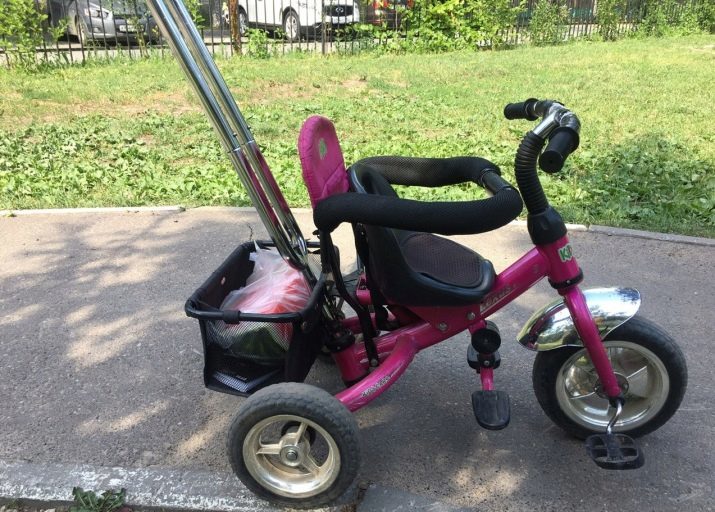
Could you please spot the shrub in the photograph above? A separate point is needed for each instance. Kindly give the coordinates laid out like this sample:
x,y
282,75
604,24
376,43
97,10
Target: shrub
x,y
705,15
549,22
609,15
459,24
257,46
22,31
671,17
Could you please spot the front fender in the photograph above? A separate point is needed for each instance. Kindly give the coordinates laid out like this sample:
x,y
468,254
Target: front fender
x,y
552,327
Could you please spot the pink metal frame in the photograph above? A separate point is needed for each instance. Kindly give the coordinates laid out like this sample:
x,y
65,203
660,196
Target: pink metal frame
x,y
397,348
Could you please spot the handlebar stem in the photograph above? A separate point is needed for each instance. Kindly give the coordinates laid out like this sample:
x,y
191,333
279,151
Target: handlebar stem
x,y
554,115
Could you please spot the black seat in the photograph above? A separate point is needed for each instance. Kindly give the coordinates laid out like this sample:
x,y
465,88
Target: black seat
x,y
413,268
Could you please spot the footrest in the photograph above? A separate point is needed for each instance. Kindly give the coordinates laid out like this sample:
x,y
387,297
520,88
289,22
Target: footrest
x,y
491,408
614,451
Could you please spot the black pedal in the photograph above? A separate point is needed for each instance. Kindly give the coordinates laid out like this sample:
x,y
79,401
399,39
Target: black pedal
x,y
614,451
491,408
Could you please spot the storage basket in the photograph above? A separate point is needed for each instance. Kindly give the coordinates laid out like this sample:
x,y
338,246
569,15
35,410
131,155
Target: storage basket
x,y
244,352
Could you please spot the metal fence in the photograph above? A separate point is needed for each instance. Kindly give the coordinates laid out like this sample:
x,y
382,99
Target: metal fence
x,y
106,28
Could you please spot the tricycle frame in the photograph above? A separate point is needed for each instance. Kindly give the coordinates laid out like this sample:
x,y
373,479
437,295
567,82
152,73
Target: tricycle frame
x,y
397,348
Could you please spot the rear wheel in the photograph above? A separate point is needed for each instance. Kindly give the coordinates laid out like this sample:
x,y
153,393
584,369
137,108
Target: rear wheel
x,y
295,445
649,367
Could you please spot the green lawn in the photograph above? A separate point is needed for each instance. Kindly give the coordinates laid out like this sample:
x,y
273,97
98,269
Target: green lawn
x,y
132,133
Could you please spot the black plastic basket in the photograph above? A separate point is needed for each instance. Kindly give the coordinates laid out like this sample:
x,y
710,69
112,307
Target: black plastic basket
x,y
238,359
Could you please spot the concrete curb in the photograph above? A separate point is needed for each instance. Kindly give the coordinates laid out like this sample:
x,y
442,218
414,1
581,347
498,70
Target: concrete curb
x,y
69,211
153,488
652,235
50,485
593,228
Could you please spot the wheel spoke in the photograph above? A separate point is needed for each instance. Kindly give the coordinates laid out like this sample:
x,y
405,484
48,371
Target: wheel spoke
x,y
301,431
269,449
581,382
310,464
638,382
584,396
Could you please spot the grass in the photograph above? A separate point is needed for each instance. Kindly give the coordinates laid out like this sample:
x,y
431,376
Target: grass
x,y
132,133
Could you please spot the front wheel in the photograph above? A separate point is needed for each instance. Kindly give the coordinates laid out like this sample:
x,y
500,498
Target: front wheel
x,y
295,445
649,367
82,32
242,22
291,26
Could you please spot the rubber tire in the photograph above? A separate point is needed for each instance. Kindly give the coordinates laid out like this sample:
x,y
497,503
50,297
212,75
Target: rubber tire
x,y
242,27
83,37
293,14
637,330
308,402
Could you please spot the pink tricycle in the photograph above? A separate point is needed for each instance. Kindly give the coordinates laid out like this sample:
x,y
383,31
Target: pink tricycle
x,y
601,372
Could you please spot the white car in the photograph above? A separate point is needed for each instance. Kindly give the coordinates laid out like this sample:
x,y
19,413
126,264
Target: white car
x,y
296,17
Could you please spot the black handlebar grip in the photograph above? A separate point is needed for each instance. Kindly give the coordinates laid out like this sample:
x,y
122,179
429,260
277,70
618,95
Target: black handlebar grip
x,y
493,182
522,110
562,143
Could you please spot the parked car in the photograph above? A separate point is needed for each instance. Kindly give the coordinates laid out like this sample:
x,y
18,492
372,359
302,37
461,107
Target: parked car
x,y
213,13
296,17
104,20
387,12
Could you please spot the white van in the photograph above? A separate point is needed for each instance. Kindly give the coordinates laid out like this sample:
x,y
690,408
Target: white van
x,y
296,17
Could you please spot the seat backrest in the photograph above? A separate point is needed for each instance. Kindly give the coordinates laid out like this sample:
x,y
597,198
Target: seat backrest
x,y
321,159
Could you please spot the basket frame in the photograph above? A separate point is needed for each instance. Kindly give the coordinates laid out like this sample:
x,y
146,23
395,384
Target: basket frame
x,y
204,303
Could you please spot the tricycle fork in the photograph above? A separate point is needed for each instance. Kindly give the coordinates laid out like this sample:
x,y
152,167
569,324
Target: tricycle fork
x,y
565,275
588,332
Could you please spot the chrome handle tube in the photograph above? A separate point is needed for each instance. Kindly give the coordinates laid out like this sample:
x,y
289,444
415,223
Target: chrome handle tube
x,y
193,38
178,29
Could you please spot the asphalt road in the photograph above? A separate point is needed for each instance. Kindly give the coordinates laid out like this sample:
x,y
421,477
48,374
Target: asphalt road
x,y
99,365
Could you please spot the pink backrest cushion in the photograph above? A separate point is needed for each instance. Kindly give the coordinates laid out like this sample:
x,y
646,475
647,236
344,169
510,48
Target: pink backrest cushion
x,y
321,159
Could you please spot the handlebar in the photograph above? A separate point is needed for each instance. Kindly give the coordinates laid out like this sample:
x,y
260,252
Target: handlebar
x,y
377,204
562,142
559,125
522,110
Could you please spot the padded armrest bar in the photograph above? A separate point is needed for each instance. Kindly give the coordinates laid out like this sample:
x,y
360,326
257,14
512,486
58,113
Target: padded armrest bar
x,y
427,172
446,218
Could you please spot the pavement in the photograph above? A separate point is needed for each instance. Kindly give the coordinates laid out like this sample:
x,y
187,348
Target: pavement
x,y
101,384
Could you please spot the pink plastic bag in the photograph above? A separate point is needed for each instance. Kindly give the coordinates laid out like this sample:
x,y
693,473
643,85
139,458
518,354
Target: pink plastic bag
x,y
273,287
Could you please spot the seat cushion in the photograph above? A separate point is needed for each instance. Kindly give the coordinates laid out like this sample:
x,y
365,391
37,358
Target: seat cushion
x,y
442,259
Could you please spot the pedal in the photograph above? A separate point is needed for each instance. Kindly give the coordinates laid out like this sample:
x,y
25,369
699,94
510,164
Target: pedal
x,y
491,408
614,451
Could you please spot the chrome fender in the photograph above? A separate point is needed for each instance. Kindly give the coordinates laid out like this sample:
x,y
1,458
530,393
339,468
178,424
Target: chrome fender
x,y
552,327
